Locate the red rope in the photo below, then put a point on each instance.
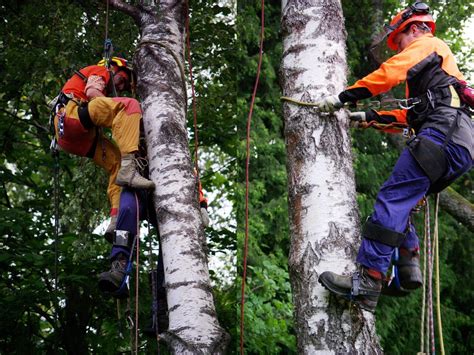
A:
(382, 126)
(247, 163)
(188, 47)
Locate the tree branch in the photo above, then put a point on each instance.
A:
(128, 9)
(458, 207)
(451, 201)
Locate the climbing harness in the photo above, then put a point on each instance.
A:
(247, 173)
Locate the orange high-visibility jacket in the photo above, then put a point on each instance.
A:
(425, 63)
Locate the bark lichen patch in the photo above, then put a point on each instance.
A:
(335, 240)
(294, 20)
(331, 21)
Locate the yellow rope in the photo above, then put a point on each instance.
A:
(438, 300)
(302, 103)
(422, 324)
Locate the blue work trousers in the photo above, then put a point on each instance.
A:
(397, 197)
(128, 217)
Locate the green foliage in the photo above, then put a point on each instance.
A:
(268, 311)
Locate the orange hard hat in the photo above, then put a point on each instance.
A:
(418, 12)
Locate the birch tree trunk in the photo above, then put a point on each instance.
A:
(324, 218)
(159, 62)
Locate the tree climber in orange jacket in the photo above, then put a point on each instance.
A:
(440, 152)
(83, 108)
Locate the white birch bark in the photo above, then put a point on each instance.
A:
(324, 218)
(193, 324)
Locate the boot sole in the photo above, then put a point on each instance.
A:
(410, 279)
(411, 284)
(123, 183)
(110, 289)
(341, 292)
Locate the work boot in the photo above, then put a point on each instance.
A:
(109, 232)
(362, 287)
(110, 281)
(409, 270)
(129, 176)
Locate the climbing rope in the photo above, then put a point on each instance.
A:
(428, 294)
(438, 297)
(194, 105)
(247, 163)
(423, 299)
(384, 126)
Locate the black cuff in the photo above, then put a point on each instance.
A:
(372, 115)
(353, 95)
(203, 204)
(382, 235)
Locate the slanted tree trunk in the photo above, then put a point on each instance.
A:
(324, 218)
(193, 324)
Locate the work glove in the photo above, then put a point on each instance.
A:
(330, 104)
(358, 119)
(205, 217)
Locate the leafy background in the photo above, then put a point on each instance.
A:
(42, 42)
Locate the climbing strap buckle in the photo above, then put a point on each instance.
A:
(355, 290)
(408, 104)
(122, 238)
(61, 117)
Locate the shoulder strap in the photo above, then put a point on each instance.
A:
(82, 76)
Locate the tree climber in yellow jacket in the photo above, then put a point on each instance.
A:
(83, 108)
(440, 152)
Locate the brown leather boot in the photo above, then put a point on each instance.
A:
(129, 176)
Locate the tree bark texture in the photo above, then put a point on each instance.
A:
(159, 62)
(324, 218)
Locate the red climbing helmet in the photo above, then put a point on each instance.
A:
(418, 12)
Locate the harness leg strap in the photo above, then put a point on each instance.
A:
(123, 239)
(381, 234)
